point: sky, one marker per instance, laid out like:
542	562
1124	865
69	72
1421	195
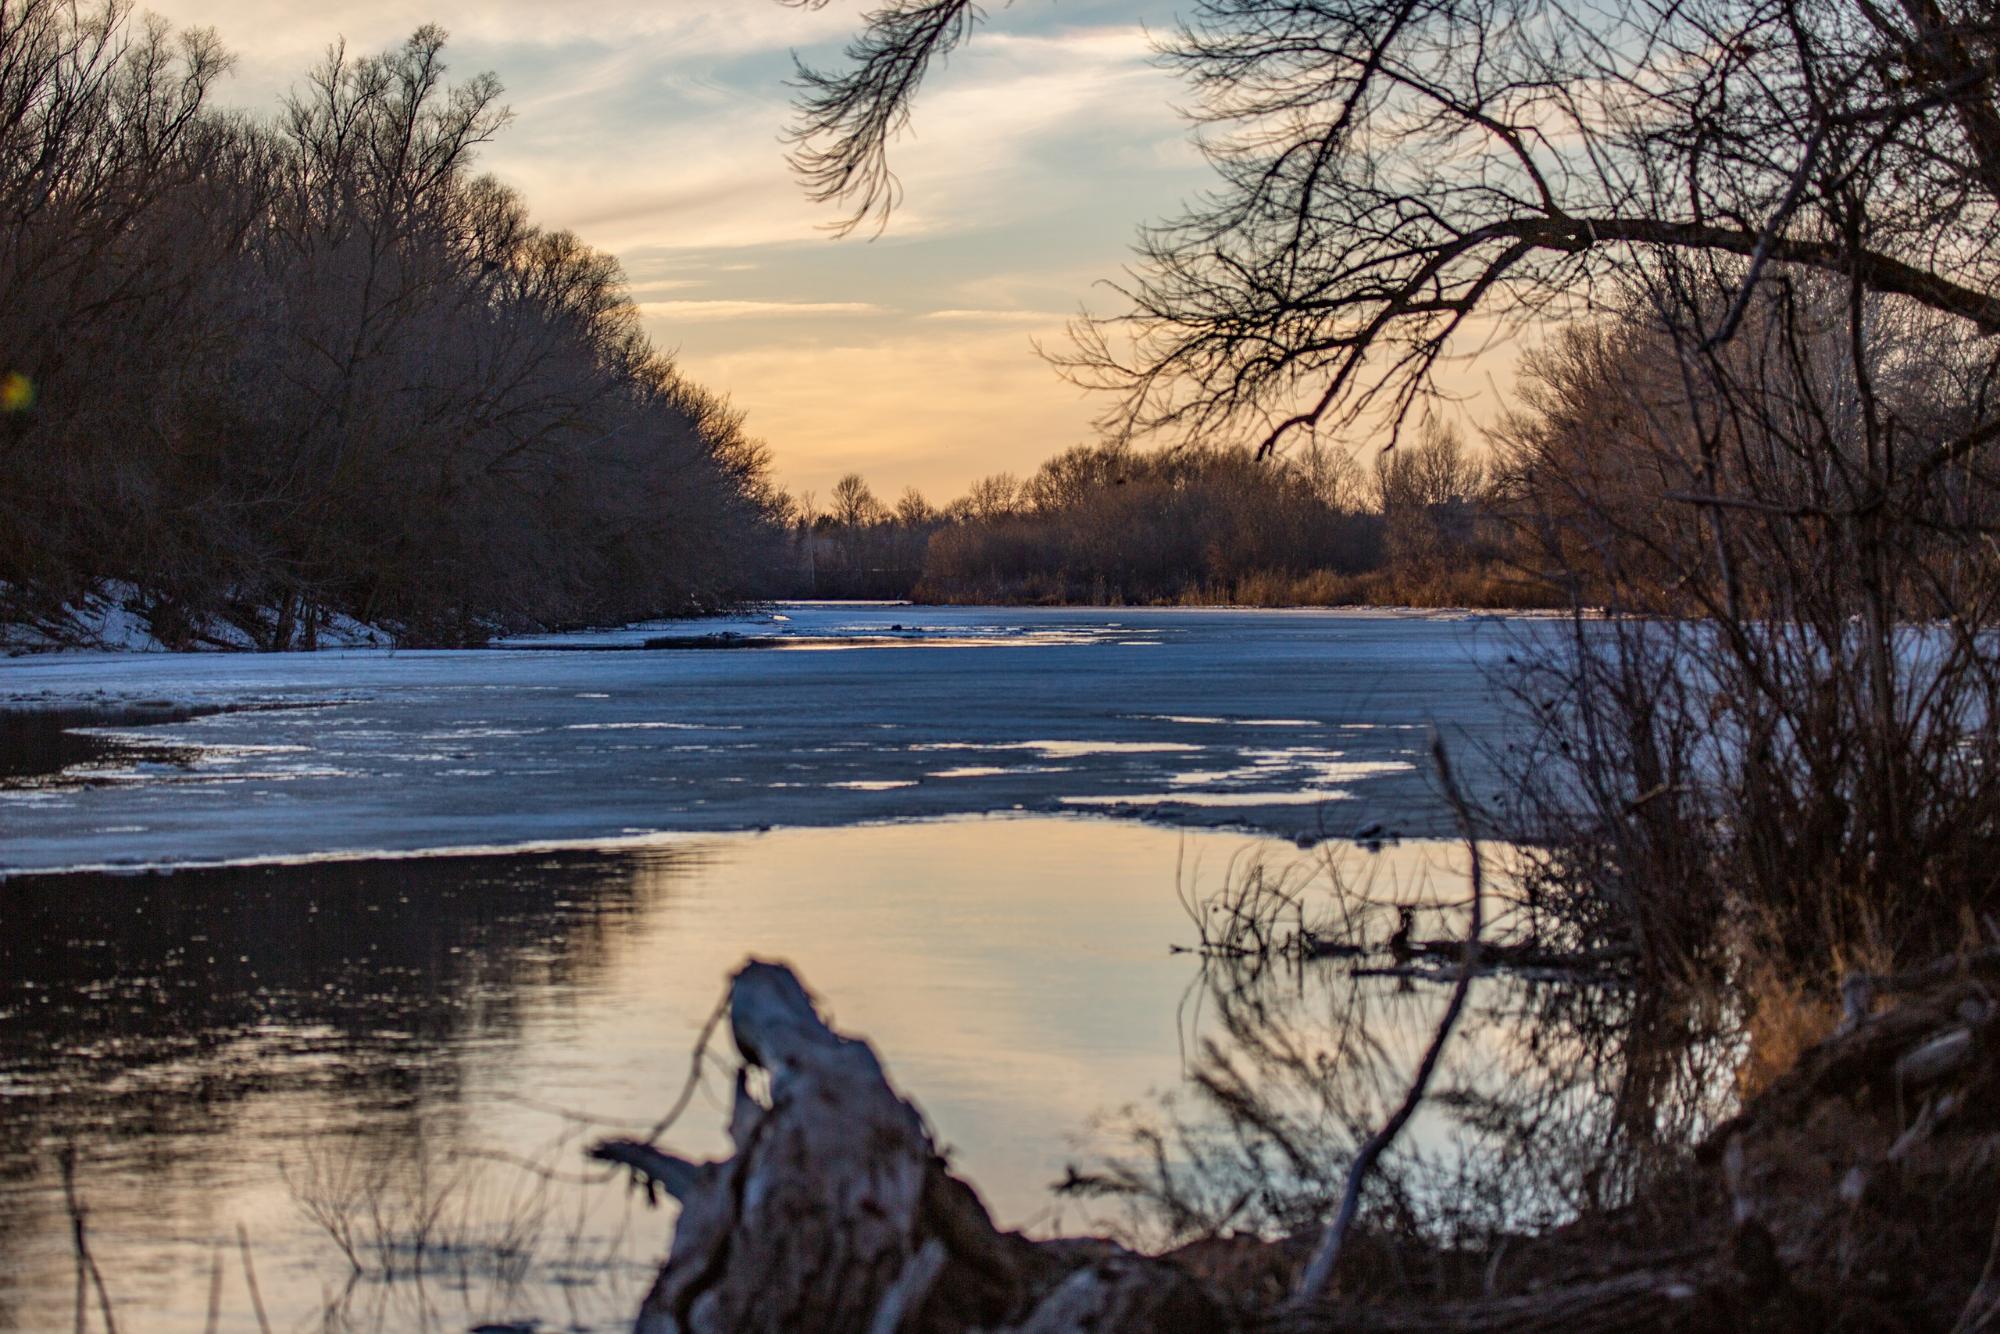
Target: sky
652	129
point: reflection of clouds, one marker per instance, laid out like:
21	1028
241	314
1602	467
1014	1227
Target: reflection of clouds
1013	974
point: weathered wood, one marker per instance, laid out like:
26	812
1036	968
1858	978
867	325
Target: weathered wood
676	1176
836	1213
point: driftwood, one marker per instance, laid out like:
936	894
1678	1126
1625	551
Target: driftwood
836	1212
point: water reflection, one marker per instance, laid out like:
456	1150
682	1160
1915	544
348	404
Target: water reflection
1564	1090
224	1045
45	748
350	1058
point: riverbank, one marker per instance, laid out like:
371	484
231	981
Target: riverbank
118	616
1855	1192
1474	586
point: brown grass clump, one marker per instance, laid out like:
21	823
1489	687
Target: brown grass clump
1785	1021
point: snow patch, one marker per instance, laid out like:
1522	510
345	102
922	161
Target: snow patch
118	616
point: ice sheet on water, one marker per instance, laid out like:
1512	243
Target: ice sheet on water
416	751
1213	800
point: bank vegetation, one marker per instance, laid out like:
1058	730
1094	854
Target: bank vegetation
1114	525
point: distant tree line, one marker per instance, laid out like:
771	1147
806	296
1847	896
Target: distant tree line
1112	524
317	363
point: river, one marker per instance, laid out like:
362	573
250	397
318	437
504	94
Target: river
358	950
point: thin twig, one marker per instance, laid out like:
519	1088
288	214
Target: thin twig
1320	1271
85	1262
82	1279
214	1291
250	1277
694	1070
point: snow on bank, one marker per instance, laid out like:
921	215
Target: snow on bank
118	616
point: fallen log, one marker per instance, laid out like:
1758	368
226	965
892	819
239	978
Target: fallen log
836	1213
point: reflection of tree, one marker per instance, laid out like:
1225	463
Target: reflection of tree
1555	1098
138	1013
53	747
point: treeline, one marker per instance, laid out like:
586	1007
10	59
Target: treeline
1111	524
271	369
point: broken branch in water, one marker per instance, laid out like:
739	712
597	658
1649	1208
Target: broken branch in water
675	1176
834	1212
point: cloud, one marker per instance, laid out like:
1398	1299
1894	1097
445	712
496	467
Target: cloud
645	123
653	288
996	316
1015	107
646	145
752	310
695	30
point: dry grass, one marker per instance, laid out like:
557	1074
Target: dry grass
487	1232
1482	585
1785	1020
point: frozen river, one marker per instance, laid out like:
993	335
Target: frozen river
291	1036
1302	723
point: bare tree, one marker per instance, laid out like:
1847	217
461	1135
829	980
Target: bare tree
317	363
913	511
848	118
1331	473
991	497
854	504
1399	179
